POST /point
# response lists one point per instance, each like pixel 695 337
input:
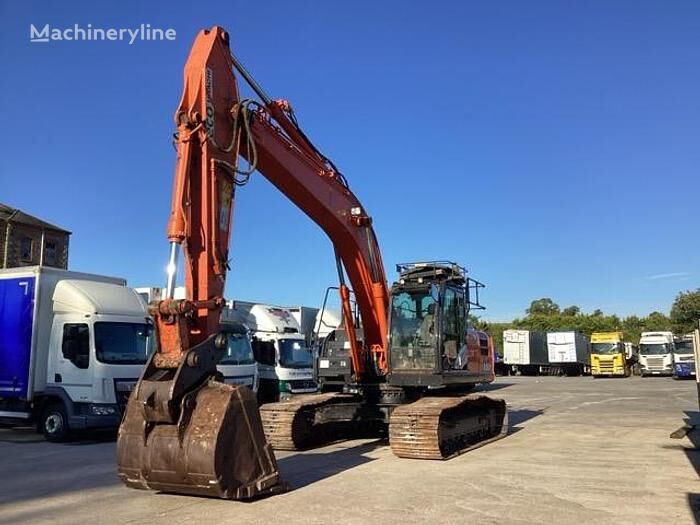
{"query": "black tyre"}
pixel 54 423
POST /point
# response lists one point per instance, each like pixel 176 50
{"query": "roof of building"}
pixel 8 213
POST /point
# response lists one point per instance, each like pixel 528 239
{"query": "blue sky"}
pixel 552 147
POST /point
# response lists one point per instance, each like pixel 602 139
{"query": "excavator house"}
pixel 404 360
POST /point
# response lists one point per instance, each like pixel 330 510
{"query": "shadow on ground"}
pixel 516 418
pixel 27 435
pixel 305 468
pixel 493 386
pixel 692 423
pixel 694 504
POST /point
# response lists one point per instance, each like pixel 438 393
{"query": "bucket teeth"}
pixel 217 450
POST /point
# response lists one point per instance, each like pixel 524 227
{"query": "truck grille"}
pixel 655 362
pixel 606 366
pixel 299 384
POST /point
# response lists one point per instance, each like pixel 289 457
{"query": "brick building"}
pixel 28 241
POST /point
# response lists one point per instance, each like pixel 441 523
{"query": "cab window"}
pixel 76 344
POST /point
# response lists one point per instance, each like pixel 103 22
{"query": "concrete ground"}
pixel 580 450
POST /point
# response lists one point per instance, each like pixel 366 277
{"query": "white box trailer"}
pixel 525 350
pixel 72 346
pixel 569 351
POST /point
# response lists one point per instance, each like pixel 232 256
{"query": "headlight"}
pixel 103 410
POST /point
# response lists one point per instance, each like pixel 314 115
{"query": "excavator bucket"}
pixel 217 448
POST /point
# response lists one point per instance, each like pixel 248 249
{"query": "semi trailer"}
pixel 72 346
pixel 525 351
pixel 568 352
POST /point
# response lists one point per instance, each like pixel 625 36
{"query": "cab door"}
pixel 73 359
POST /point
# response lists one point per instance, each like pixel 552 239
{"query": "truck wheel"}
pixel 54 423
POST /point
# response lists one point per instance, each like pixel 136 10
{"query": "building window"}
pixel 25 249
pixel 50 253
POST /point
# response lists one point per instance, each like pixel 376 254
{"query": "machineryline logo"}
pixel 88 33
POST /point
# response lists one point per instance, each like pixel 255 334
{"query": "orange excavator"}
pixel 404 358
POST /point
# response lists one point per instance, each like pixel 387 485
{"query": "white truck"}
pixel 285 361
pixel 238 364
pixel 569 352
pixel 525 351
pixel 72 346
pixel 656 353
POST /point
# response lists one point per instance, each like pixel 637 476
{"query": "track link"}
pixel 299 423
pixel 444 427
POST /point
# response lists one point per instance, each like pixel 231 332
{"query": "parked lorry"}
pixel 525 351
pixel 568 352
pixel 683 356
pixel 656 353
pixel 609 355
pixel 285 361
pixel 238 365
pixel 72 346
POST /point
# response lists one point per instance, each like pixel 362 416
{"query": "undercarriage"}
pixel 419 424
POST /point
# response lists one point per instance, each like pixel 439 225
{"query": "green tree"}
pixel 544 306
pixel 632 328
pixel 571 311
pixel 685 312
pixel 657 322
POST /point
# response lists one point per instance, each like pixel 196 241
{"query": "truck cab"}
pixel 608 355
pixel 238 365
pixel 72 346
pixel 684 357
pixel 656 353
pixel 285 362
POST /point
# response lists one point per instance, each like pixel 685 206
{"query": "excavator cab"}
pixel 428 326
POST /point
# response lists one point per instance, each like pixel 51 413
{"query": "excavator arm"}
pixel 214 126
pixel 178 409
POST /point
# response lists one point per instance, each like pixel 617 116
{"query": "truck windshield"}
pixel 239 351
pixel 684 347
pixel 123 343
pixel 605 348
pixel 294 354
pixel 654 348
